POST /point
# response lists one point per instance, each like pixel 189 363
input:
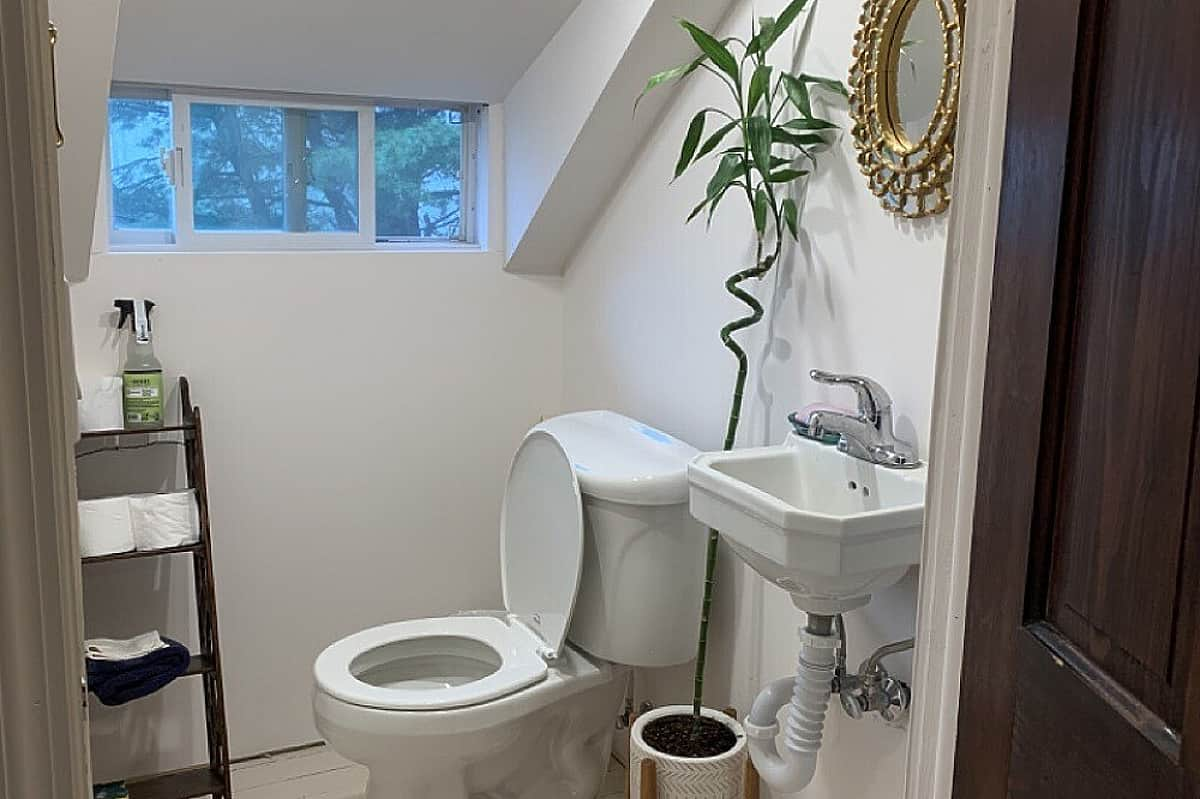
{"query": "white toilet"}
pixel 602 569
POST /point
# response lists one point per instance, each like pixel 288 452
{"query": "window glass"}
pixel 274 169
pixel 237 167
pixel 329 170
pixel 139 140
pixel 418 173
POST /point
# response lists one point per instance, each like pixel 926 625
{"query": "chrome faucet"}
pixel 869 435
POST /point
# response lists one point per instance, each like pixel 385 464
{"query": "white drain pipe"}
pixel 808 693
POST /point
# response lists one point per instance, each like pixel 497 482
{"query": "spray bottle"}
pixel 141 376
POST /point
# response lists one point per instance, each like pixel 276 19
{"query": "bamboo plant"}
pixel 763 147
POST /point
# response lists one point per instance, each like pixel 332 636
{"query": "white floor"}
pixel 319 773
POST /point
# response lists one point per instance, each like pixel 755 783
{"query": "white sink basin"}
pixel 829 528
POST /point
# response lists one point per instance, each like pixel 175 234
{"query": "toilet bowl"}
pixel 521 702
pixel 464 707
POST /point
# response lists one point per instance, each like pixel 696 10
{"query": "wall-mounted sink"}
pixel 827 527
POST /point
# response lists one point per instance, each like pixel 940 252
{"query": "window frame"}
pixel 186 238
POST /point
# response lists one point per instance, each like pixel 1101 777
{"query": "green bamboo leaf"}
pixel 789 15
pixel 801 140
pixel 791 216
pixel 761 203
pixel 725 175
pixel 726 171
pixel 679 72
pixel 797 92
pixel 712 209
pixel 812 123
pixel 759 84
pixel 696 211
pixel 787 175
pixel 831 84
pixel 715 139
pixel 690 142
pixel 758 131
pixel 713 49
pixel 766 28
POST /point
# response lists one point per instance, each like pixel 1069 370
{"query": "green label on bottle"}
pixel 143 398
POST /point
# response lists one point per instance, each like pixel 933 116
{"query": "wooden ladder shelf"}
pixel 211 778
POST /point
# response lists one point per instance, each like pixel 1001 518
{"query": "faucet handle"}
pixel 873 398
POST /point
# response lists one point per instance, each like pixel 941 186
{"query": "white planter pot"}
pixel 720 777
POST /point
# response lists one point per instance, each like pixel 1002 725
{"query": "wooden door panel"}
pixel 1083 753
pixel 1125 466
pixel 1081 670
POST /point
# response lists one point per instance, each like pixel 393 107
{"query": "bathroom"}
pixel 370 392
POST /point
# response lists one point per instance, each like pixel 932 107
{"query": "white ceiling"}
pixel 467 50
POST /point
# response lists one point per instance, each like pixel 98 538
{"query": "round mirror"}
pixel 919 63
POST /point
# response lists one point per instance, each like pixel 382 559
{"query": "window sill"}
pixel 388 247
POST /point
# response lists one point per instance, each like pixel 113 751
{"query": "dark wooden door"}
pixel 1081 673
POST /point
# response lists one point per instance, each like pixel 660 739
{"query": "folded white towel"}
pixel 164 520
pixel 100 405
pixel 123 648
pixel 104 526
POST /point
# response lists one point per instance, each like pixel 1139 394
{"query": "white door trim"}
pixel 43 735
pixel 958 399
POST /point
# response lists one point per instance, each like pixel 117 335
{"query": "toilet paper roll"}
pixel 100 407
pixel 104 526
pixel 164 520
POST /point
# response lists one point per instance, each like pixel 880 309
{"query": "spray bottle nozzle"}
pixel 139 310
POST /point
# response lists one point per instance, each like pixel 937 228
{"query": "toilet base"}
pixel 558 751
pixel 384 785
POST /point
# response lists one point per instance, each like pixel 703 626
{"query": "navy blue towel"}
pixel 115 682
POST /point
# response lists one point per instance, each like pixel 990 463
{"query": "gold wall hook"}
pixel 59 140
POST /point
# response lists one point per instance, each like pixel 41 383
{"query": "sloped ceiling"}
pixel 570 131
pixel 465 50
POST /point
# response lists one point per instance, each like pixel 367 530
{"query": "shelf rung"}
pixel 146 553
pixel 170 428
pixel 200 664
pixel 184 784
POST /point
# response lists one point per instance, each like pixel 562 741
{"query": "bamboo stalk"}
pixel 733 285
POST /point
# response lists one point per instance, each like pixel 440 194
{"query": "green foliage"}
pixel 763 167
pixel 690 142
pixel 714 50
pixel 141 193
pixel 417 172
pixel 762 95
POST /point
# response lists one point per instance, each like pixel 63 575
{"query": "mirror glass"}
pixel 920 64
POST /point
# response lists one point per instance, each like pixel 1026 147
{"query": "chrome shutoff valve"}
pixel 872 689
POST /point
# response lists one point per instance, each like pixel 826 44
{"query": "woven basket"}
pixel 720 777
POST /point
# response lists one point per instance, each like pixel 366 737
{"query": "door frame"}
pixel 958 399
pixel 43 718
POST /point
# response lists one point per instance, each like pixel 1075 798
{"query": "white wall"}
pixel 360 413
pixel 643 305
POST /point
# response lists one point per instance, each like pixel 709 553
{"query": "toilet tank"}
pixel 642 577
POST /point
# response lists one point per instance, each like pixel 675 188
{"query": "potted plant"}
pixel 764 146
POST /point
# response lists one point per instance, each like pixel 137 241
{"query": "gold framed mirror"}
pixel 904 101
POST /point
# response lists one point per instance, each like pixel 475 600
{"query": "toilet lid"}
pixel 541 538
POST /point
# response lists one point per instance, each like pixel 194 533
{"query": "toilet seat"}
pixel 462 661
pixel 421 651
